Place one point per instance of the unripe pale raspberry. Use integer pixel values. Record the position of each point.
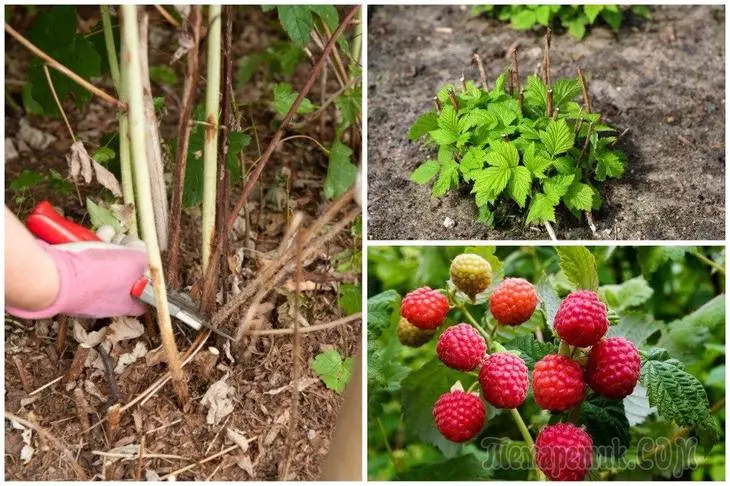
(503, 377)
(564, 452)
(461, 347)
(459, 416)
(582, 319)
(557, 383)
(471, 274)
(513, 301)
(410, 335)
(613, 367)
(425, 308)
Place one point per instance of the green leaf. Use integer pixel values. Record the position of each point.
(636, 406)
(418, 400)
(27, 179)
(524, 20)
(103, 155)
(637, 327)
(531, 350)
(542, 209)
(332, 369)
(557, 186)
(341, 172)
(100, 216)
(536, 93)
(491, 181)
(425, 172)
(548, 299)
(686, 338)
(350, 298)
(424, 124)
(612, 18)
(479, 118)
(469, 467)
(519, 185)
(536, 164)
(610, 164)
(543, 15)
(349, 105)
(680, 397)
(380, 309)
(579, 197)
(448, 178)
(297, 22)
(565, 90)
(248, 65)
(558, 137)
(443, 137)
(448, 120)
(631, 293)
(163, 74)
(576, 27)
(579, 266)
(607, 425)
(592, 12)
(284, 99)
(328, 14)
(472, 163)
(508, 151)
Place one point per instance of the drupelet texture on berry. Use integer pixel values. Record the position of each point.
(564, 452)
(470, 273)
(613, 367)
(503, 377)
(425, 308)
(459, 416)
(461, 347)
(582, 319)
(411, 336)
(513, 301)
(557, 383)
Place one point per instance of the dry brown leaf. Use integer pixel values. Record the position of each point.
(79, 162)
(126, 359)
(123, 328)
(237, 437)
(107, 179)
(87, 339)
(33, 137)
(218, 400)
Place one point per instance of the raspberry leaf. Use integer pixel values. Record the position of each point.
(557, 137)
(548, 298)
(680, 397)
(530, 349)
(635, 326)
(631, 293)
(471, 466)
(607, 424)
(425, 172)
(332, 369)
(579, 266)
(381, 308)
(424, 124)
(448, 178)
(542, 209)
(637, 406)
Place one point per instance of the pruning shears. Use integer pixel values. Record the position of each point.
(48, 225)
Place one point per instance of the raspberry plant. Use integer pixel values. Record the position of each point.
(479, 399)
(574, 18)
(534, 145)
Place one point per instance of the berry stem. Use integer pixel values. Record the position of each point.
(472, 386)
(709, 262)
(526, 436)
(564, 349)
(474, 322)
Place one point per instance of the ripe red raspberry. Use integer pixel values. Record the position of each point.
(425, 308)
(613, 367)
(582, 319)
(471, 274)
(461, 347)
(513, 301)
(557, 383)
(459, 416)
(503, 377)
(564, 452)
(410, 335)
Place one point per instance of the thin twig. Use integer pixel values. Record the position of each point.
(453, 99)
(550, 231)
(546, 62)
(584, 89)
(63, 69)
(183, 130)
(57, 443)
(58, 102)
(167, 16)
(516, 70)
(253, 178)
(482, 75)
(318, 327)
(316, 142)
(549, 111)
(203, 461)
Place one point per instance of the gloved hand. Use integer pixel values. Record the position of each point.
(95, 278)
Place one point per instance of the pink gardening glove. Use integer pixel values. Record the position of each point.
(94, 281)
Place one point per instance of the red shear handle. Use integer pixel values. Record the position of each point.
(45, 223)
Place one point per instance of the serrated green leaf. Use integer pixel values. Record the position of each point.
(100, 216)
(472, 163)
(536, 93)
(519, 185)
(425, 172)
(592, 12)
(576, 27)
(449, 120)
(607, 425)
(531, 350)
(524, 20)
(297, 22)
(103, 155)
(423, 124)
(579, 266)
(468, 467)
(508, 151)
(443, 137)
(341, 172)
(492, 180)
(542, 209)
(479, 118)
(536, 164)
(637, 327)
(332, 369)
(448, 178)
(380, 309)
(565, 90)
(284, 99)
(27, 179)
(557, 137)
(631, 293)
(579, 197)
(610, 164)
(557, 186)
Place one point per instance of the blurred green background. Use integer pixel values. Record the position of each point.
(681, 295)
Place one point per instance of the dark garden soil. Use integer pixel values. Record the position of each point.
(259, 369)
(663, 80)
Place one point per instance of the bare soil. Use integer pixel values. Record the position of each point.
(663, 80)
(258, 369)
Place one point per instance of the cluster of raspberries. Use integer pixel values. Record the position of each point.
(562, 451)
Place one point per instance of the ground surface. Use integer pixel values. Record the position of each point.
(257, 370)
(663, 80)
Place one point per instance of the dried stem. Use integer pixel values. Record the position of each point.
(482, 75)
(317, 327)
(253, 178)
(131, 63)
(516, 70)
(511, 82)
(521, 99)
(166, 15)
(61, 334)
(453, 99)
(591, 224)
(584, 88)
(546, 58)
(437, 102)
(193, 23)
(549, 111)
(63, 69)
(58, 102)
(550, 231)
(210, 146)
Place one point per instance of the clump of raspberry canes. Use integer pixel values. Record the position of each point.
(564, 452)
(504, 381)
(459, 416)
(582, 319)
(461, 347)
(410, 335)
(471, 274)
(425, 308)
(613, 367)
(557, 383)
(513, 301)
